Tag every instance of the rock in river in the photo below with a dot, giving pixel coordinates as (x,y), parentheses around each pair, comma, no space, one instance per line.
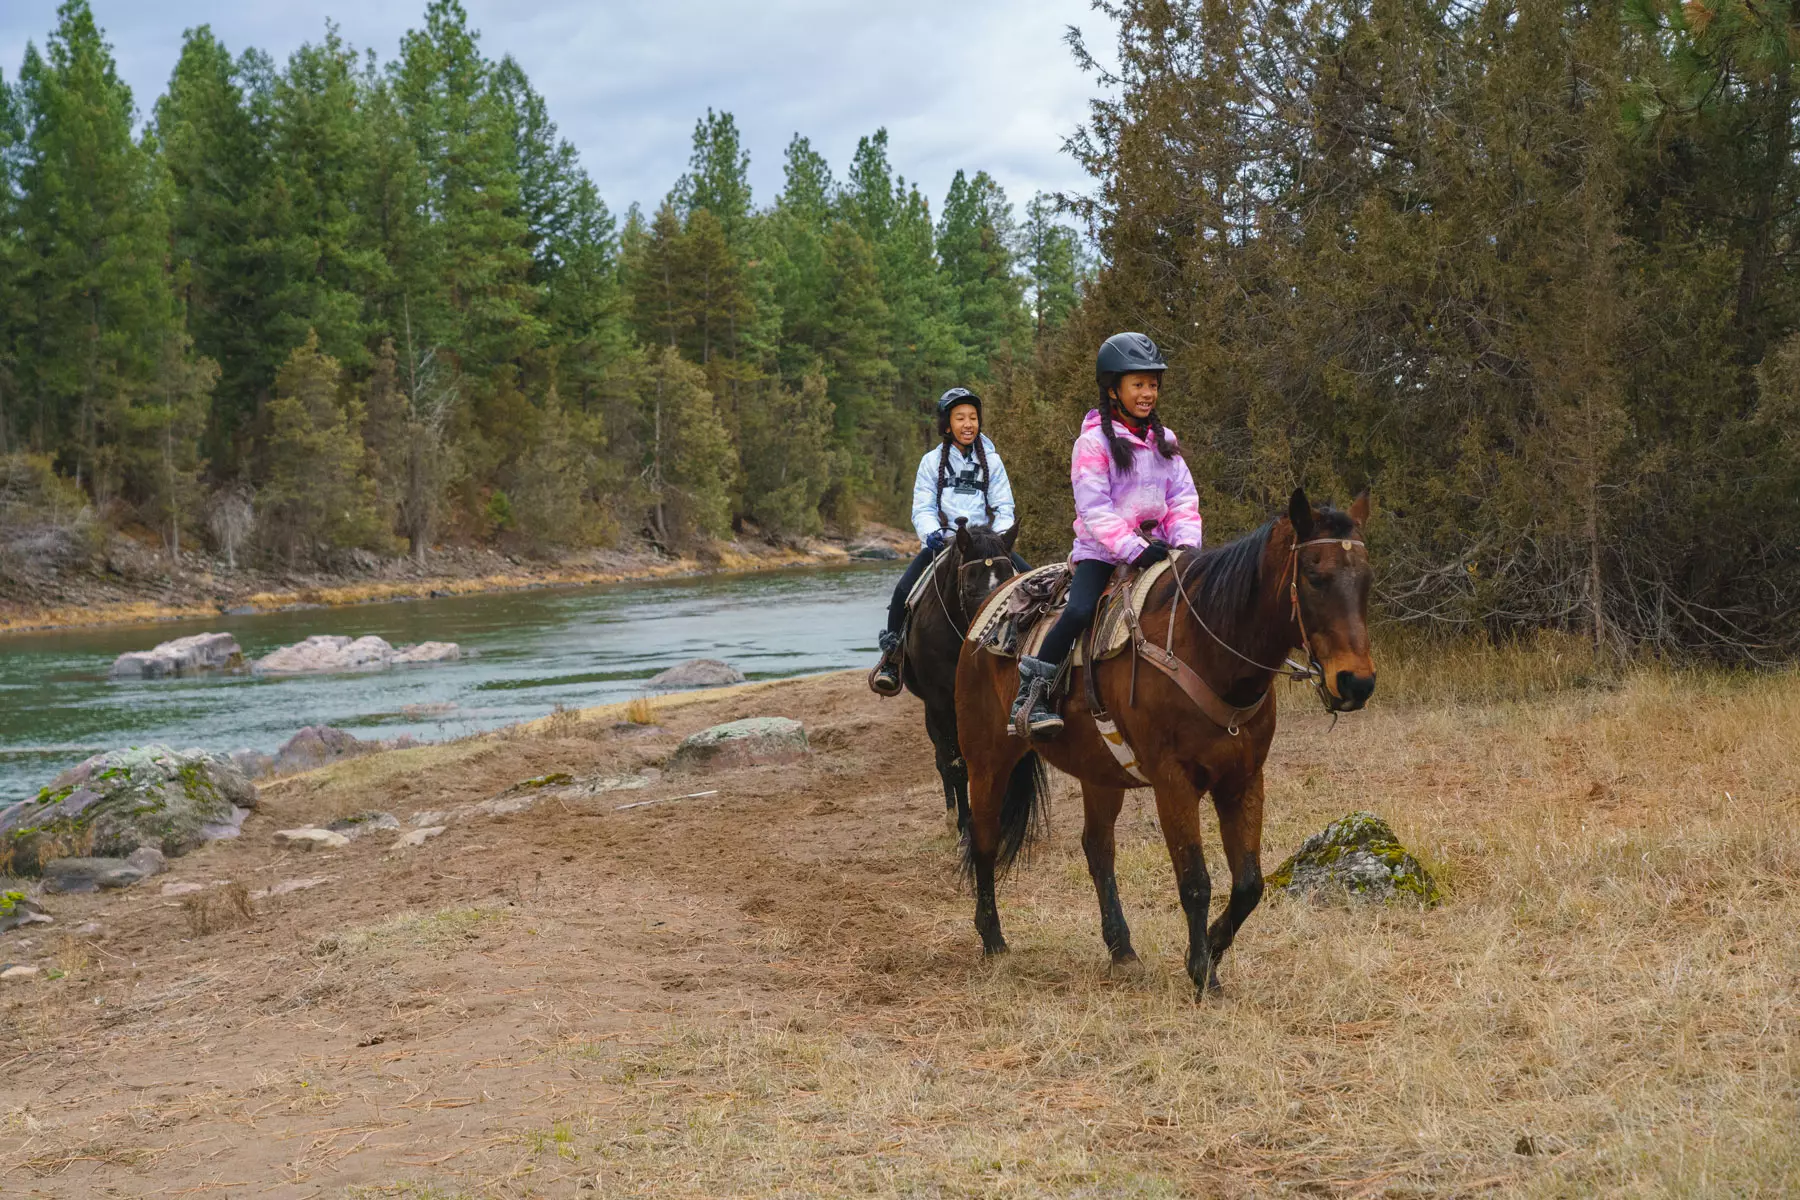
(115,802)
(698,673)
(183,656)
(752,741)
(1356,856)
(335,652)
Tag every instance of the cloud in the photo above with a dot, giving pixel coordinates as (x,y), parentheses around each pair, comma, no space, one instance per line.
(958,85)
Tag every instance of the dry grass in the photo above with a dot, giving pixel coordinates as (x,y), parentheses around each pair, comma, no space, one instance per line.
(1608,1004)
(641,711)
(218,909)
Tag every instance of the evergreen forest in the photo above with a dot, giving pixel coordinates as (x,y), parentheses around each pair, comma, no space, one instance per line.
(1526,269)
(337,303)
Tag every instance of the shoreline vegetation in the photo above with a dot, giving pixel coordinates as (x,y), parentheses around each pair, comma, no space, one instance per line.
(199,593)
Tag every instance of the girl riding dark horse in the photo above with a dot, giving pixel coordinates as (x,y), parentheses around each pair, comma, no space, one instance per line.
(961,496)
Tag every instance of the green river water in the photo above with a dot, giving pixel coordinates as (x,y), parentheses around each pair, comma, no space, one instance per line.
(524,654)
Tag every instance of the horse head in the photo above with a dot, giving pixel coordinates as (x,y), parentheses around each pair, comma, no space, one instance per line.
(983,562)
(1329,570)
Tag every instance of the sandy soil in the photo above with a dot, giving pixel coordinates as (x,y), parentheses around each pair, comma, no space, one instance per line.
(775,989)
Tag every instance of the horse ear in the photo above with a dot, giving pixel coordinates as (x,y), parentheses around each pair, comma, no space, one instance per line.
(1359,508)
(1301,514)
(1010,536)
(963,541)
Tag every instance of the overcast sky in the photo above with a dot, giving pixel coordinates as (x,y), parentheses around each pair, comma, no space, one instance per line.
(977,85)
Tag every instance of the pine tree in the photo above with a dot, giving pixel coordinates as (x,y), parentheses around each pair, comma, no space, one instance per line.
(975,247)
(1051,254)
(485,307)
(318,496)
(93,300)
(217,165)
(688,459)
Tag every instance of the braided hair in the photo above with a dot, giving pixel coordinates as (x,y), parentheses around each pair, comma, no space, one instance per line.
(943,476)
(1121,451)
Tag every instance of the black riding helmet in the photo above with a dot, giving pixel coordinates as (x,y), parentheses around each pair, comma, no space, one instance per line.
(949,400)
(1123,353)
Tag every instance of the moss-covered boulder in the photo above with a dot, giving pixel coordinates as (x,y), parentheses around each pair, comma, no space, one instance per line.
(1358,857)
(115,802)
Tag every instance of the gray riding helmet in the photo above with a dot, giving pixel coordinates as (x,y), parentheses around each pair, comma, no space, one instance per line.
(1126,352)
(949,400)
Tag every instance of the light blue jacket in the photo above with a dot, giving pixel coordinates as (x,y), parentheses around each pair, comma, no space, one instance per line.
(962,490)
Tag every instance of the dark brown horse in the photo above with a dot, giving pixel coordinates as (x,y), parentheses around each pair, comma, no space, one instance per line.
(1301,580)
(975,562)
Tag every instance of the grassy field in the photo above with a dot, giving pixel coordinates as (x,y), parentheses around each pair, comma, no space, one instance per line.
(776,990)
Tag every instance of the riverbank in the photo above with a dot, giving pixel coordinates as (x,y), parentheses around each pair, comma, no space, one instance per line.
(130,584)
(594,993)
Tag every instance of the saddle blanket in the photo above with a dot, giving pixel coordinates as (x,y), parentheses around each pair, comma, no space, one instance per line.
(995,628)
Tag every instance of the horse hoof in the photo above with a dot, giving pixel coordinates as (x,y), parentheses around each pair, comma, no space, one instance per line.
(995,951)
(1125,966)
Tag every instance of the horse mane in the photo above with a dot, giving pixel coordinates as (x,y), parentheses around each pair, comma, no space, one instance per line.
(1222,582)
(988,544)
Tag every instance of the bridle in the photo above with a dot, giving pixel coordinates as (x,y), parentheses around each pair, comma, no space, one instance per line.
(1312,671)
(936,586)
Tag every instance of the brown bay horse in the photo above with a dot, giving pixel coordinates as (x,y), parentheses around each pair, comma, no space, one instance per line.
(976,561)
(1300,580)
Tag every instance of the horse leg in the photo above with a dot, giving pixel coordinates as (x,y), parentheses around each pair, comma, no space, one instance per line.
(1240,812)
(940,727)
(987,792)
(1178,812)
(1101,807)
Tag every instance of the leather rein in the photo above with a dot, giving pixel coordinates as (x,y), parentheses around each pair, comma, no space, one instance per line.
(1227,716)
(936,570)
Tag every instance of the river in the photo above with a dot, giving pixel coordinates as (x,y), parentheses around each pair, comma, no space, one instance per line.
(525,653)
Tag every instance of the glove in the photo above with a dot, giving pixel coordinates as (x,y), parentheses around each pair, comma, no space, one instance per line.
(1152,554)
(937,540)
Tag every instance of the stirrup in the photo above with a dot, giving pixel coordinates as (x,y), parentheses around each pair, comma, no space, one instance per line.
(885,679)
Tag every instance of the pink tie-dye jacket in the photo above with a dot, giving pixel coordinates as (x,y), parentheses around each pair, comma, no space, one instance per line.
(1110,504)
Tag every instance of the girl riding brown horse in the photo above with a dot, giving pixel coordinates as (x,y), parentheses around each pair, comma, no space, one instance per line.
(1228,616)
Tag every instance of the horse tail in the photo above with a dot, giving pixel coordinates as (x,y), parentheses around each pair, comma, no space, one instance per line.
(1024,815)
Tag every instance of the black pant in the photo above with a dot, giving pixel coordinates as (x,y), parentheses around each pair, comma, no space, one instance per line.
(1091,578)
(897,605)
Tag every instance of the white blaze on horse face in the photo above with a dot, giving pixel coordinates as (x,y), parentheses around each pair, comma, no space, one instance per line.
(993,580)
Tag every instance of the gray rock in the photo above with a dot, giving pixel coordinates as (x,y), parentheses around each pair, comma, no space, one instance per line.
(310,838)
(417,837)
(315,746)
(363,824)
(253,763)
(1358,857)
(11,972)
(147,860)
(874,553)
(77,875)
(115,802)
(698,673)
(326,652)
(16,910)
(752,741)
(183,656)
(335,652)
(427,652)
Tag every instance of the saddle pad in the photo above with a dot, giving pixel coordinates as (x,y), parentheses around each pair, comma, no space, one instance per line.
(1115,631)
(993,609)
(923,583)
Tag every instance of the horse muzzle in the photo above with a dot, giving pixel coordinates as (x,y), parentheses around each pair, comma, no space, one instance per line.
(1350,690)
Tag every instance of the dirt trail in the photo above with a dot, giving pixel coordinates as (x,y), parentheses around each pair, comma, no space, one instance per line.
(775,989)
